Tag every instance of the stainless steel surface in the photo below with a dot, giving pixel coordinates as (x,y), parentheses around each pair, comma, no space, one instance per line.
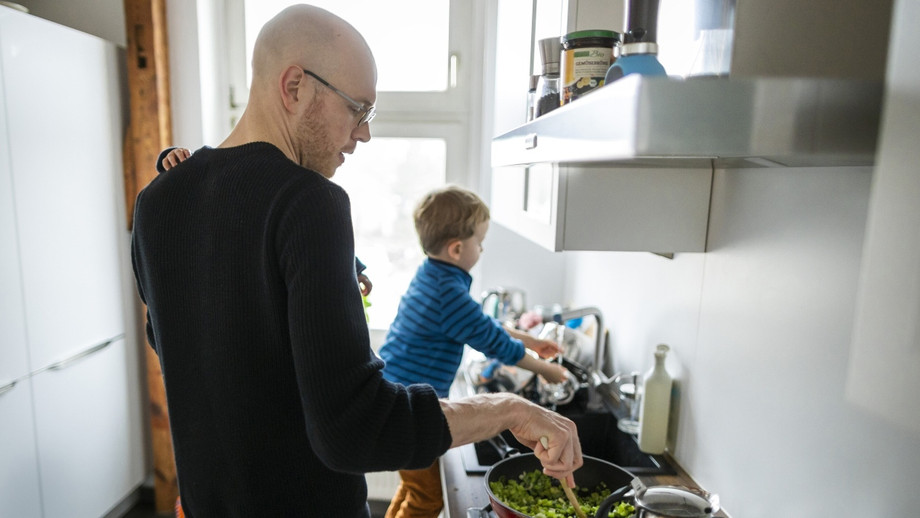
(669,122)
(589,311)
(67,362)
(643,47)
(673,501)
(550,54)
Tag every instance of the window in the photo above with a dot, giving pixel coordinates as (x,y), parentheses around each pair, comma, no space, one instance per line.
(427,62)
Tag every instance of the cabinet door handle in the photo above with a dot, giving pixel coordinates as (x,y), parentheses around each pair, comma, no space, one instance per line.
(63,364)
(530,141)
(8,387)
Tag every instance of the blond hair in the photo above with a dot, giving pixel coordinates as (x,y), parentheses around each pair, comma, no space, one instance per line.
(448,213)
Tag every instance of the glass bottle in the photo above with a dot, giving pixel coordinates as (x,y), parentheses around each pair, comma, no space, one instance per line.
(656,405)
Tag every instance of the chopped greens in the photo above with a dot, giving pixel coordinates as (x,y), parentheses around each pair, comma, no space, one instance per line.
(540,496)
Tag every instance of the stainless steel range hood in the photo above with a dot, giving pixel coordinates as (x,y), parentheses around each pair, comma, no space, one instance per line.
(747,122)
(803,87)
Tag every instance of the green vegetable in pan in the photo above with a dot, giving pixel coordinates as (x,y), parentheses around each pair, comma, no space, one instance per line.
(540,496)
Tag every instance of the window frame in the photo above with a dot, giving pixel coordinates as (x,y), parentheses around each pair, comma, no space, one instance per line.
(455,115)
(452,114)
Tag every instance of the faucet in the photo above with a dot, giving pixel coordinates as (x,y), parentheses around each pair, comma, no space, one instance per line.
(598,378)
(509,303)
(565,316)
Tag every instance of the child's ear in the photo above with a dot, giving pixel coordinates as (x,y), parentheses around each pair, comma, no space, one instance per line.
(454,248)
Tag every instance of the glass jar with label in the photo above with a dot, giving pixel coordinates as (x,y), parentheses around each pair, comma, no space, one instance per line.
(586,56)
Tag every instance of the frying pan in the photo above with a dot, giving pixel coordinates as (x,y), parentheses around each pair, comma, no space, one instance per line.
(591,474)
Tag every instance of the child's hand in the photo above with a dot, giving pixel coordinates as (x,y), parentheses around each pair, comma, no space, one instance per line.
(555,373)
(365,284)
(530,319)
(544,348)
(175,157)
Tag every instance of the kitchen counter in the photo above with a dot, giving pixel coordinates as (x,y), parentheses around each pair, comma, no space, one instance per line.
(464,491)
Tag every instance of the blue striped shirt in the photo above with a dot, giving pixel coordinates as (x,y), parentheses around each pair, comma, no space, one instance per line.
(436,317)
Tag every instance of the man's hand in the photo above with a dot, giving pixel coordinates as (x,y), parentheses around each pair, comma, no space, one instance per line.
(562,455)
(480,417)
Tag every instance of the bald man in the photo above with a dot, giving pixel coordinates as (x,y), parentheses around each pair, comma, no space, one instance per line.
(243,254)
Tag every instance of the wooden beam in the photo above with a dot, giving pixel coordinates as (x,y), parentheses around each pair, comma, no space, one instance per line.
(149,131)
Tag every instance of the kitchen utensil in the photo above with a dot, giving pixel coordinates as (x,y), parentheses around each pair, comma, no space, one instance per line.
(673,502)
(663,501)
(565,487)
(547,90)
(591,474)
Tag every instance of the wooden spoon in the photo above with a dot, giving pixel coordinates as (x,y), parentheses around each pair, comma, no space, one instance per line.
(565,486)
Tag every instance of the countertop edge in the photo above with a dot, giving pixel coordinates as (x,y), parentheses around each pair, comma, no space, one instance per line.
(463,491)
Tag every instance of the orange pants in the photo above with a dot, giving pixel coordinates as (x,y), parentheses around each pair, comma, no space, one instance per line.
(418,494)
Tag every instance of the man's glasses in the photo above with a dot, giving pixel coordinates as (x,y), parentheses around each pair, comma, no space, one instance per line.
(364,112)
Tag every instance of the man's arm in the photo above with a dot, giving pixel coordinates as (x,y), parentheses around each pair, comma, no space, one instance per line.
(479,417)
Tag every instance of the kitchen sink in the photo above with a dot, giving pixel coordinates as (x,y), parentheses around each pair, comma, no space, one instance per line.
(599,438)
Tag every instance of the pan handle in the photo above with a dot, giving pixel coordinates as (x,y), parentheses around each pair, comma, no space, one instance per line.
(473,512)
(620,494)
(504,449)
(580,372)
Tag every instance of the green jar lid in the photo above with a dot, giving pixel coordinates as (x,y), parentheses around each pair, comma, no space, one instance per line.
(594,33)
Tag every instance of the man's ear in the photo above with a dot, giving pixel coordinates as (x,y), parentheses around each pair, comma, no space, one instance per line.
(292,81)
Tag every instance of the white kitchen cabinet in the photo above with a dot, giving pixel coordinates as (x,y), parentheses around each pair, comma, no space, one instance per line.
(597,207)
(64,132)
(71,438)
(629,166)
(19,481)
(571,205)
(87,450)
(14,359)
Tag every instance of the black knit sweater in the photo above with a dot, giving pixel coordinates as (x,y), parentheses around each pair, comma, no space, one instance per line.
(276,402)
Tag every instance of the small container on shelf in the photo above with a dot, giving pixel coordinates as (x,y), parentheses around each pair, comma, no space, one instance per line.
(547,92)
(586,56)
(635,58)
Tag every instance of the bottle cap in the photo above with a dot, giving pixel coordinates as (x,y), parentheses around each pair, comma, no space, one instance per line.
(550,50)
(533,82)
(592,33)
(642,47)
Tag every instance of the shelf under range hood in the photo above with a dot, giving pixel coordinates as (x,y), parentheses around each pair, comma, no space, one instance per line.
(772,122)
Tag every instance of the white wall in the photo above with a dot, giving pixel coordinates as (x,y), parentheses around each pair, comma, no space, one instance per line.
(760,333)
(761,329)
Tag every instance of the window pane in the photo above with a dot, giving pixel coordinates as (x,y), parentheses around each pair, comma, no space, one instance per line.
(385,180)
(409,38)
